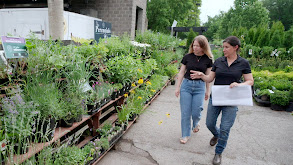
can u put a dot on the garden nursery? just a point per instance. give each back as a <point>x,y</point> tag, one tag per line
<point>70,103</point>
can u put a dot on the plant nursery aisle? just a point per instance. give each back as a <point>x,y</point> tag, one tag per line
<point>259,136</point>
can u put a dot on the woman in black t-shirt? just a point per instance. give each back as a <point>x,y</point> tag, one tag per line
<point>226,70</point>
<point>193,91</point>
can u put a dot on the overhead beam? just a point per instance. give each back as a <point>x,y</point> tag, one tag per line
<point>200,30</point>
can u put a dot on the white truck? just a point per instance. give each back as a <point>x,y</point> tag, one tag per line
<point>21,22</point>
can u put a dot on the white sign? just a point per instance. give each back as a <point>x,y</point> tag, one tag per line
<point>223,95</point>
<point>250,52</point>
<point>174,23</point>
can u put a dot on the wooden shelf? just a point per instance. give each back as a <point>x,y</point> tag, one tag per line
<point>62,131</point>
<point>111,119</point>
<point>37,147</point>
<point>130,123</point>
<point>107,112</point>
<point>84,142</point>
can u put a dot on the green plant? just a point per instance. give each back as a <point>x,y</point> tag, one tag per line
<point>171,70</point>
<point>263,92</point>
<point>70,155</point>
<point>190,37</point>
<point>105,130</point>
<point>117,86</point>
<point>122,69</point>
<point>102,89</point>
<point>291,94</point>
<point>123,114</point>
<point>19,116</point>
<point>280,98</point>
<point>99,144</point>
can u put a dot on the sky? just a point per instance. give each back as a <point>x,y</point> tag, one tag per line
<point>213,7</point>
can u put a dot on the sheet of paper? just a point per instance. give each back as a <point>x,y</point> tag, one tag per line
<point>223,95</point>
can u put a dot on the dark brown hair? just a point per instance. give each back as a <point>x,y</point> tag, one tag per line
<point>233,41</point>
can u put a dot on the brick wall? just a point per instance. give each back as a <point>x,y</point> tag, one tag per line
<point>120,13</point>
<point>141,24</point>
<point>117,12</point>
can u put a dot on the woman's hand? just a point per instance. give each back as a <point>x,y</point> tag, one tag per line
<point>177,92</point>
<point>206,96</point>
<point>196,74</point>
<point>234,84</point>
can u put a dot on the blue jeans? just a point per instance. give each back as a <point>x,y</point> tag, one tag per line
<point>192,93</point>
<point>227,121</point>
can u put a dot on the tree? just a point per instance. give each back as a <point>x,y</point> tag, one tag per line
<point>190,38</point>
<point>250,37</point>
<point>241,33</point>
<point>158,15</point>
<point>280,10</point>
<point>288,39</point>
<point>276,40</point>
<point>277,29</point>
<point>213,25</point>
<point>247,13</point>
<point>162,13</point>
<point>263,38</point>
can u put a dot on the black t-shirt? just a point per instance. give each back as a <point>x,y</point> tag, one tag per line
<point>225,75</point>
<point>197,63</point>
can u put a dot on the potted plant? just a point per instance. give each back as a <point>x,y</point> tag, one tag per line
<point>264,94</point>
<point>19,116</point>
<point>123,115</point>
<point>91,101</point>
<point>70,155</point>
<point>279,100</point>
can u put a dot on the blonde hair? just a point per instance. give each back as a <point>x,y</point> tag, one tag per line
<point>204,44</point>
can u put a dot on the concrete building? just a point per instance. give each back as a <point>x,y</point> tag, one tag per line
<point>126,16</point>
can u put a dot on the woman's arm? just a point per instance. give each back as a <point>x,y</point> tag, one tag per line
<point>207,93</point>
<point>179,79</point>
<point>207,78</point>
<point>248,80</point>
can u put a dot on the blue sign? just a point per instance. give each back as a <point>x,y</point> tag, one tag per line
<point>102,30</point>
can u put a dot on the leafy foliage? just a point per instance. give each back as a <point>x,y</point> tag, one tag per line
<point>280,10</point>
<point>162,13</point>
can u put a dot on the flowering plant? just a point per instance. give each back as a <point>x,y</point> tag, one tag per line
<point>98,145</point>
<point>19,116</point>
<point>102,89</point>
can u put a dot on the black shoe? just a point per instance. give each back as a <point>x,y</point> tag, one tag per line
<point>217,159</point>
<point>214,141</point>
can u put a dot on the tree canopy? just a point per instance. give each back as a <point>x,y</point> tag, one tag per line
<point>245,13</point>
<point>162,13</point>
<point>280,10</point>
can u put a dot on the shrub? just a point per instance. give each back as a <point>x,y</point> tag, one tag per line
<point>266,51</point>
<point>290,53</point>
<point>281,84</point>
<point>282,53</point>
<point>288,38</point>
<point>276,39</point>
<point>190,38</point>
<point>280,98</point>
<point>263,92</point>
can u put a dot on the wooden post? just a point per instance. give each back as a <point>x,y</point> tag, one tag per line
<point>96,122</point>
<point>55,14</point>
